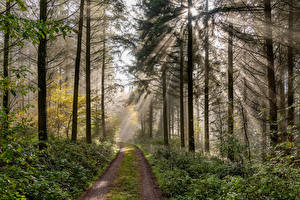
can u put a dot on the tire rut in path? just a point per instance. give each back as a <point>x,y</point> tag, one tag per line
<point>148,184</point>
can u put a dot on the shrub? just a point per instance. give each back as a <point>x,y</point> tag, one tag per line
<point>62,171</point>
<point>188,176</point>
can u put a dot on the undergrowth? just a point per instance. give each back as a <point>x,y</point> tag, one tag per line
<point>62,171</point>
<point>186,176</point>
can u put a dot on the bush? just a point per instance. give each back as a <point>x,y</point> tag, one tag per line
<point>62,171</point>
<point>188,176</point>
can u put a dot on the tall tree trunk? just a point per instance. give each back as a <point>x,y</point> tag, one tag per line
<point>165,108</point>
<point>76,78</point>
<point>88,73</point>
<point>172,120</point>
<point>264,138</point>
<point>182,142</point>
<point>5,67</point>
<point>281,92</point>
<point>169,117</point>
<point>221,129</point>
<point>142,124</point>
<point>151,119</point>
<point>103,81</point>
<point>291,108</point>
<point>178,123</point>
<point>190,80</point>
<point>272,95</point>
<point>245,120</point>
<point>42,93</point>
<point>230,94</point>
<point>198,124</point>
<point>206,84</point>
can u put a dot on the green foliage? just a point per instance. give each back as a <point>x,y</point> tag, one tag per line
<point>61,171</point>
<point>17,87</point>
<point>21,28</point>
<point>186,176</point>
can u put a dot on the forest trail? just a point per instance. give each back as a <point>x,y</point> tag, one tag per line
<point>128,177</point>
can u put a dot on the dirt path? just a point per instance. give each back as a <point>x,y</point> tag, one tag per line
<point>103,184</point>
<point>147,186</point>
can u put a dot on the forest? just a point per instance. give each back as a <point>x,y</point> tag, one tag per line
<point>150,99</point>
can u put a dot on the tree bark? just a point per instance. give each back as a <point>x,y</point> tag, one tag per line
<point>190,80</point>
<point>42,93</point>
<point>5,67</point>
<point>103,81</point>
<point>88,73</point>
<point>165,107</point>
<point>77,71</point>
<point>230,95</point>
<point>291,108</point>
<point>151,119</point>
<point>206,85</point>
<point>245,121</point>
<point>264,138</point>
<point>182,141</point>
<point>281,91</point>
<point>272,95</point>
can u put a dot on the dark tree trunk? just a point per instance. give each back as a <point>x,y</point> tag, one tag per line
<point>103,81</point>
<point>206,85</point>
<point>181,96</point>
<point>169,118</point>
<point>281,92</point>
<point>151,119</point>
<point>5,67</point>
<point>88,73</point>
<point>221,129</point>
<point>264,138</point>
<point>190,80</point>
<point>245,121</point>
<point>272,96</point>
<point>142,124</point>
<point>165,108</point>
<point>230,95</point>
<point>42,93</point>
<point>290,96</point>
<point>172,119</point>
<point>76,78</point>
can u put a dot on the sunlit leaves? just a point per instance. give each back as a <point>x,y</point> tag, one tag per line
<point>21,5</point>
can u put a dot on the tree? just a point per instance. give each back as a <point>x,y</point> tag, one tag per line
<point>5,66</point>
<point>42,85</point>
<point>272,93</point>
<point>165,106</point>
<point>88,73</point>
<point>291,92</point>
<point>230,94</point>
<point>206,84</point>
<point>77,70</point>
<point>190,80</point>
<point>151,119</point>
<point>182,139</point>
<point>103,79</point>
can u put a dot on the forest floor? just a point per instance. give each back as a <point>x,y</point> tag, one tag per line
<point>128,177</point>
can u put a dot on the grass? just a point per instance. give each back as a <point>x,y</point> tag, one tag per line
<point>126,183</point>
